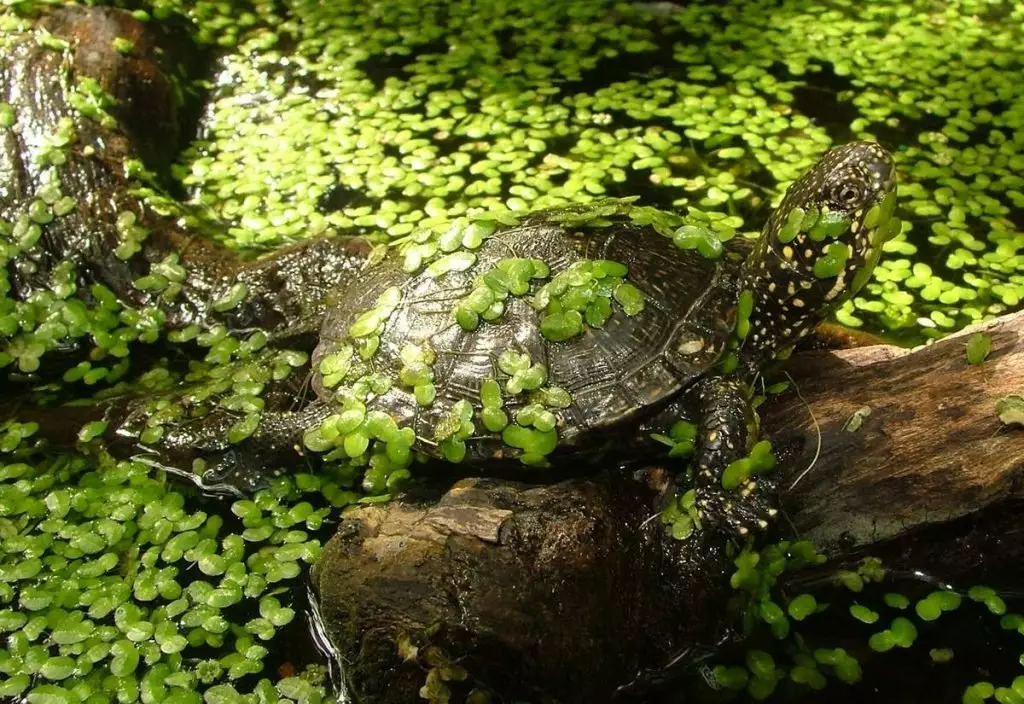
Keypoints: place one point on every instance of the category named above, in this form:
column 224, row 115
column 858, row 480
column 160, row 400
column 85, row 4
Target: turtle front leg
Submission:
column 726, row 431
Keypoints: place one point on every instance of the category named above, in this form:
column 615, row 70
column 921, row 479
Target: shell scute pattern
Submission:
column 612, row 373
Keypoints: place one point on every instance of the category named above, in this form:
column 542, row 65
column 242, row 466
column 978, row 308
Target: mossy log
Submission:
column 153, row 118
column 568, row 592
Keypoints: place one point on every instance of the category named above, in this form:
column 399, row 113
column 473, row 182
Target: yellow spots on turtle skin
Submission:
column 712, row 436
column 788, row 252
column 808, row 253
column 798, row 302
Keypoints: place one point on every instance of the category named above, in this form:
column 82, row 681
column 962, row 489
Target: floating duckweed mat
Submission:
column 413, row 113
column 381, row 119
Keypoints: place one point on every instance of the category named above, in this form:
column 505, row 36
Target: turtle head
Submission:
column 819, row 247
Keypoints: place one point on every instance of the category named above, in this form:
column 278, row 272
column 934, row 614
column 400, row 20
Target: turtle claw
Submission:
column 744, row 511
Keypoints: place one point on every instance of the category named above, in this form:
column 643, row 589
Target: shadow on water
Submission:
column 984, row 646
column 819, row 100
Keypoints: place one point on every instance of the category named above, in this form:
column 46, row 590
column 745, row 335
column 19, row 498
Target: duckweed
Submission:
column 896, row 601
column 863, row 614
column 988, row 597
column 231, row 298
column 1010, row 410
column 832, row 262
column 112, row 542
column 462, row 133
column 487, row 299
column 759, row 460
column 7, row 117
column 932, row 606
column 802, row 606
column 682, row 516
column 681, row 438
column 978, row 347
column 581, row 294
column 854, row 423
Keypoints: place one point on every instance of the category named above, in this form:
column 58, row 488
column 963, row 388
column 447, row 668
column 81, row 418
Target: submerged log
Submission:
column 568, row 592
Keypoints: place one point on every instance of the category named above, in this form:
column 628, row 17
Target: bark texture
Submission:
column 931, row 450
column 548, row 593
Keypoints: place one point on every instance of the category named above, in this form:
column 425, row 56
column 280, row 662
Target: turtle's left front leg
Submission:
column 726, row 432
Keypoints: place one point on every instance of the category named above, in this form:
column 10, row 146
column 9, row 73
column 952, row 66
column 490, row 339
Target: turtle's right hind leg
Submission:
column 202, row 449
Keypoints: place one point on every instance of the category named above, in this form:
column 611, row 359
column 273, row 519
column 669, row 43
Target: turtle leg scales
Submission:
column 725, row 434
column 200, row 449
column 274, row 448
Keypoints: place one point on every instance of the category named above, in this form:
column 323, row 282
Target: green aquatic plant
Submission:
column 756, row 579
column 97, row 592
column 978, row 347
column 408, row 124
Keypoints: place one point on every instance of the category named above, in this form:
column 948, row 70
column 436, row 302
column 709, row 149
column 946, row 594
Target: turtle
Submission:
column 502, row 343
column 579, row 333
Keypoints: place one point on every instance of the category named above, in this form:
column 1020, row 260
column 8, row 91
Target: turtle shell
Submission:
column 614, row 373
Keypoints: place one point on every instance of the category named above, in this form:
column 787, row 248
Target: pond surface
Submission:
column 117, row 580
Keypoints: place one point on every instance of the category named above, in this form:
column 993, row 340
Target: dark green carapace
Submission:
column 647, row 332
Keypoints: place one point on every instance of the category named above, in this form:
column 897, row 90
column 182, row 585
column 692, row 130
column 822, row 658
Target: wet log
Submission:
column 568, row 592
column 549, row 593
column 146, row 125
column 932, row 449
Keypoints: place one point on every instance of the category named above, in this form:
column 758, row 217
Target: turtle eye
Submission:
column 848, row 193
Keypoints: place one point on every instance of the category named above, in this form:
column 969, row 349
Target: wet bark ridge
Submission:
column 932, row 449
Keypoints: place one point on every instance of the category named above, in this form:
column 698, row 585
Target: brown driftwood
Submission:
column 551, row 593
column 931, row 450
column 529, row 586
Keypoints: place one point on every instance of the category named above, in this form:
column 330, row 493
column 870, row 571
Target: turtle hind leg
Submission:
column 726, row 432
column 233, row 472
column 249, row 465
